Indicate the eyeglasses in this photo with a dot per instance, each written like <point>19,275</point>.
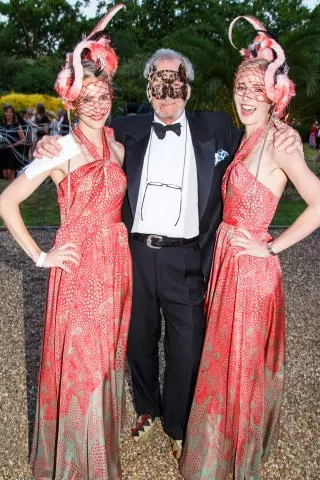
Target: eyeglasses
<point>161,184</point>
<point>168,185</point>
<point>252,92</point>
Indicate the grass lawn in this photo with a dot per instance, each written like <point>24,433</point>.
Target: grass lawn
<point>42,209</point>
<point>287,212</point>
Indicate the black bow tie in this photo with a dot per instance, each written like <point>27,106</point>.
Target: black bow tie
<point>161,130</point>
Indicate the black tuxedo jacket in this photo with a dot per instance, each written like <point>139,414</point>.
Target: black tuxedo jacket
<point>215,140</point>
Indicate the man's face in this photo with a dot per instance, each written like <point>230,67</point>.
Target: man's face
<point>167,89</point>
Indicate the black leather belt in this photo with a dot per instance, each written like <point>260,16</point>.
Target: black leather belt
<point>159,241</point>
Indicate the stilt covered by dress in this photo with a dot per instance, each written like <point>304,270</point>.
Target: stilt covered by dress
<point>239,391</point>
<point>81,382</point>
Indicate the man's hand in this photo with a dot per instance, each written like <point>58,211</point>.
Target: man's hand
<point>287,139</point>
<point>48,147</point>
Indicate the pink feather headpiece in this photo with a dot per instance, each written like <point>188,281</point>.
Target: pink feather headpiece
<point>96,47</point>
<point>279,88</point>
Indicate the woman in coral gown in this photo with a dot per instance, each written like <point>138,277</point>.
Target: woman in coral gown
<point>81,382</point>
<point>237,402</point>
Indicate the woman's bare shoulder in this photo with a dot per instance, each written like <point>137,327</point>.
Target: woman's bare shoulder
<point>117,151</point>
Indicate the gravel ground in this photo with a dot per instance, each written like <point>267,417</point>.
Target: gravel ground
<point>22,296</point>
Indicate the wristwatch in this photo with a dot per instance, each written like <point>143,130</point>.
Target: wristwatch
<point>269,248</point>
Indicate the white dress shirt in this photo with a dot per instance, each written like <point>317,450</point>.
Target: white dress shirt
<point>169,208</point>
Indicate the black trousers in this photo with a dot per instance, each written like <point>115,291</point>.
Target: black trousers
<point>169,279</point>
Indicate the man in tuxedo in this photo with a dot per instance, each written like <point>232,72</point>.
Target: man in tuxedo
<point>174,162</point>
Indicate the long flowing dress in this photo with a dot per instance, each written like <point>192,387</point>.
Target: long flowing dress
<point>81,382</point>
<point>239,390</point>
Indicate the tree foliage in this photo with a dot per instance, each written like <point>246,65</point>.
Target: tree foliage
<point>35,35</point>
<point>33,28</point>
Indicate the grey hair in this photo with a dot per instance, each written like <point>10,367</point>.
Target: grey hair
<point>168,54</point>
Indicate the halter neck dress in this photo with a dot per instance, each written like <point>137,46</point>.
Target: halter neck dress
<point>81,382</point>
<point>237,401</point>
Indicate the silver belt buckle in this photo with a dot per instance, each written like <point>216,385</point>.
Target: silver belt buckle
<point>149,241</point>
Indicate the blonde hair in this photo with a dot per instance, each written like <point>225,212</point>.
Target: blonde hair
<point>260,63</point>
<point>90,71</point>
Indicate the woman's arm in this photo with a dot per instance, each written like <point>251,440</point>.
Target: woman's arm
<point>43,126</point>
<point>19,190</point>
<point>21,136</point>
<point>308,186</point>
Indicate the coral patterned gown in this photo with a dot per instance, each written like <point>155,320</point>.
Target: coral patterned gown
<point>240,384</point>
<point>81,382</point>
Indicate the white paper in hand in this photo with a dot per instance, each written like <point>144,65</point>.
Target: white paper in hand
<point>69,149</point>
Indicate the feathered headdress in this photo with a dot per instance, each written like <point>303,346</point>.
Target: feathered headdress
<point>96,47</point>
<point>279,88</point>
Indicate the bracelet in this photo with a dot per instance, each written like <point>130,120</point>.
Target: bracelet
<point>41,259</point>
<point>269,248</point>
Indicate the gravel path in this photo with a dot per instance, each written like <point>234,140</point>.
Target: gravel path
<point>22,294</point>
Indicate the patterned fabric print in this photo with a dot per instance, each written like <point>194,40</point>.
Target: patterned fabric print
<point>239,391</point>
<point>81,381</point>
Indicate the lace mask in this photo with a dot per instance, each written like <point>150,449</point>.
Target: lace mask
<point>249,83</point>
<point>95,100</point>
<point>167,83</point>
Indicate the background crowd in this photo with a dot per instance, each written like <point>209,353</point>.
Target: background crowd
<point>19,132</point>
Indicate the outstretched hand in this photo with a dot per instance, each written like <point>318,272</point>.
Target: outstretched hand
<point>250,245</point>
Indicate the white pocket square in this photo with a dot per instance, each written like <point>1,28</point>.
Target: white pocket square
<point>219,156</point>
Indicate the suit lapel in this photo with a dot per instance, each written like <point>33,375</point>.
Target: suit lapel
<point>204,148</point>
<point>136,146</point>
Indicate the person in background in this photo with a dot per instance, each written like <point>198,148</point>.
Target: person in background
<point>145,107</point>
<point>30,129</point>
<point>63,122</point>
<point>12,143</point>
<point>132,108</point>
<point>75,120</point>
<point>54,127</point>
<point>313,134</point>
<point>318,137</point>
<point>42,120</point>
<point>65,125</point>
